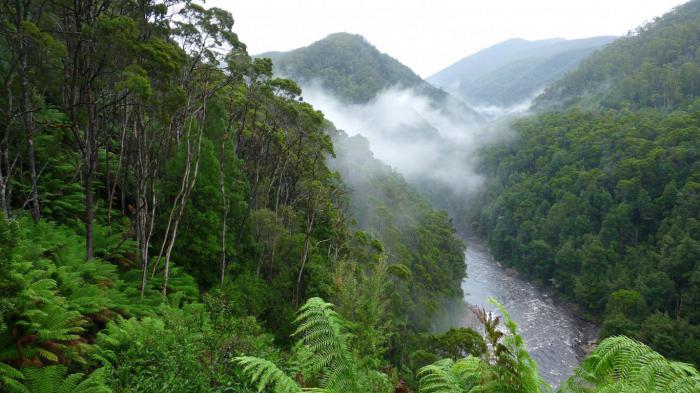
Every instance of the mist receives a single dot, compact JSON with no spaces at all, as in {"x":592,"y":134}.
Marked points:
{"x":429,"y":146}
{"x":494,"y":112}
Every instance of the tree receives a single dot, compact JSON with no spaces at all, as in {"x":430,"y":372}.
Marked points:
{"x":457,"y":343}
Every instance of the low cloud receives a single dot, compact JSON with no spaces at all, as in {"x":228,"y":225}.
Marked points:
{"x":429,"y":145}
{"x":494,"y":112}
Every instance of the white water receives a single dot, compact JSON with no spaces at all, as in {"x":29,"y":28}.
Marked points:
{"x":550,"y":331}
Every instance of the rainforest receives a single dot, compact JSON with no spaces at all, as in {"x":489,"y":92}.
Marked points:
{"x":178,"y":214}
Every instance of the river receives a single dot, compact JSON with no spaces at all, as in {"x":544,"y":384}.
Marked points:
{"x":552,"y":333}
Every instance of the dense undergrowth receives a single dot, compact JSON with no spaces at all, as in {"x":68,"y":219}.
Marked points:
{"x":167,"y":208}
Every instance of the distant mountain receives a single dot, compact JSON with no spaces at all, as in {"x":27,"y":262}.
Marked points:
{"x":354,"y":71}
{"x":656,"y":66}
{"x":515,"y":70}
{"x":348,"y":66}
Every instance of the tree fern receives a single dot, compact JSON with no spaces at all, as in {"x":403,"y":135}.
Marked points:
{"x":266,"y":374}
{"x":54,"y":379}
{"x":45,"y":326}
{"x":120,"y":333}
{"x":621,"y":364}
{"x":322,"y":333}
{"x":10,"y":378}
{"x":440,"y":377}
{"x":323,"y":352}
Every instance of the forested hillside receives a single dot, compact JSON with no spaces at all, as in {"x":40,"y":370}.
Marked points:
{"x":349,"y":67}
{"x":352,"y":70}
{"x":412,"y":233}
{"x":603,"y":207}
{"x":514,"y":71}
{"x":170,"y":208}
{"x":654,"y":66}
{"x":600,"y":202}
{"x":172,"y":216}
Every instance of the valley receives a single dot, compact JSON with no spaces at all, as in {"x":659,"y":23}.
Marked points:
{"x":179,"y":214}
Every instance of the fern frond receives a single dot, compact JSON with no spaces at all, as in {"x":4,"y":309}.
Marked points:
{"x":54,"y":379}
{"x":322,"y":333}
{"x":439,"y":378}
{"x":10,"y":378}
{"x":94,"y":383}
{"x":266,"y":374}
{"x":524,"y":367}
{"x":621,"y":364}
{"x":44,"y":380}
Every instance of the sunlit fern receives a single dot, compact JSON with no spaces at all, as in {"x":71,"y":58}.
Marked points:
{"x":448,"y":376}
{"x":265,"y":374}
{"x":623,"y":365}
{"x":324,"y":352}
{"x":55,"y":379}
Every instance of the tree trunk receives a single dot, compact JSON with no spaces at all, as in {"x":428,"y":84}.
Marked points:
{"x":225,"y":205}
{"x":29,"y":132}
{"x":4,"y":147}
{"x":90,"y":169}
{"x":305,"y":254}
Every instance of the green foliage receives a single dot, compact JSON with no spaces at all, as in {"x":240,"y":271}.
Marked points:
{"x":264,"y":374}
{"x":654,"y":66}
{"x":425,"y":257}
{"x":324,"y":357}
{"x":348,"y":66}
{"x":363,"y":296}
{"x":621,"y":364}
{"x":55,"y":379}
{"x":144,"y":356}
{"x":178,"y":193}
{"x":457,"y":343}
{"x":506,"y":367}
{"x":448,"y":376}
{"x":602,"y":207}
{"x":188,"y":350}
{"x":175,"y":174}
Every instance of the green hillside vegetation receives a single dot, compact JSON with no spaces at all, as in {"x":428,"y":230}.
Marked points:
{"x":348,"y":66}
{"x":353,"y":71}
{"x":604,"y":208}
{"x":328,"y":363}
{"x":170,"y":208}
{"x":513,"y":71}
{"x":414,"y":236}
{"x":598,"y":200}
{"x":654,"y":66}
{"x":171,"y":219}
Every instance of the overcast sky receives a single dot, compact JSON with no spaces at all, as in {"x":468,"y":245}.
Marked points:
{"x":429,"y":35}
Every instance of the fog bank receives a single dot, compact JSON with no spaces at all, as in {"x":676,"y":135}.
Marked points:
{"x":430,"y":146}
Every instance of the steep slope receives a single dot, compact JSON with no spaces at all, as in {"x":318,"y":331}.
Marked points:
{"x":421,"y":131}
{"x":415,"y":237}
{"x":514,"y":70}
{"x":348,"y":66}
{"x":354,"y":71}
{"x":599,"y":199}
{"x":656,"y":66}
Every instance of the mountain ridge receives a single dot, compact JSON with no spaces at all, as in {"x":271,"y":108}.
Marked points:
{"x":514,"y":70}
{"x":355,"y":71}
{"x":654,"y":66}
